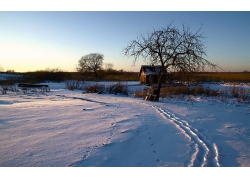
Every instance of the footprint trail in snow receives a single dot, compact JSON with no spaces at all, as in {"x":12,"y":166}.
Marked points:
{"x":206,"y":153}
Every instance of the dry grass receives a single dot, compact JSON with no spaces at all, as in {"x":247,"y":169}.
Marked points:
{"x":180,"y":91}
{"x":213,"y":76}
{"x":140,"y":94}
{"x":185,"y":90}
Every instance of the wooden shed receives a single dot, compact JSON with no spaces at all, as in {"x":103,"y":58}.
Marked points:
{"x":149,"y":74}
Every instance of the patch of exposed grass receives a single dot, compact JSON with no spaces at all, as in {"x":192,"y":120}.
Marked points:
{"x":140,"y":94}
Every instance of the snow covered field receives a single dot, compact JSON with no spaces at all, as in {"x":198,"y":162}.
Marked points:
{"x":67,"y":128}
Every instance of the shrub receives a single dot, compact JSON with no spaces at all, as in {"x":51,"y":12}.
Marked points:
{"x":94,"y":88}
{"x":4,"y":89}
{"x":239,"y":93}
{"x":72,"y":85}
{"x":118,"y":88}
{"x":13,"y":88}
{"x":198,"y":90}
{"x":235,"y":91}
{"x":110,"y":88}
{"x":10,"y":87}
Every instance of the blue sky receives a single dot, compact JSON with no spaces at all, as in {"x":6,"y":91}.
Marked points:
{"x":37,"y":40}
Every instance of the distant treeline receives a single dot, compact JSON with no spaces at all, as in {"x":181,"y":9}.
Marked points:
{"x":87,"y":76}
{"x":59,"y":76}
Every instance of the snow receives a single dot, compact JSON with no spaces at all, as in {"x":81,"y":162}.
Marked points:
{"x":64,"y":128}
{"x":148,"y":71}
{"x":227,"y":86}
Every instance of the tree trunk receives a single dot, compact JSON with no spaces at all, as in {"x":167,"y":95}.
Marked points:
{"x":154,"y":92}
{"x":96,"y":75}
{"x":158,"y":90}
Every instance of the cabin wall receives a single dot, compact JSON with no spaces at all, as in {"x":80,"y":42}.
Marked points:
{"x":143,"y":79}
{"x":147,"y":79}
{"x":149,"y":76}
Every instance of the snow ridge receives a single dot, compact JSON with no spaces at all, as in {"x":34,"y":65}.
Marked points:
{"x":206,"y":153}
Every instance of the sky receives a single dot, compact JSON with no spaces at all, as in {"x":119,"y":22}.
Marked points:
{"x":38,"y":38}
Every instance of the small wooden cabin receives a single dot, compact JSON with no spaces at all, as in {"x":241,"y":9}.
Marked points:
{"x":149,"y":74}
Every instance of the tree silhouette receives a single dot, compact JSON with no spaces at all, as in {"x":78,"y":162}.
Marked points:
{"x":90,"y":62}
{"x":170,"y":47}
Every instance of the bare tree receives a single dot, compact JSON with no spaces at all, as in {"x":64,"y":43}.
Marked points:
{"x":109,"y":66}
{"x":90,"y":62}
{"x":172,"y":48}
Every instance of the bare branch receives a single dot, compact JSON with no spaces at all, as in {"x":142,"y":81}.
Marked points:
{"x":90,"y":62}
{"x":181,"y":50}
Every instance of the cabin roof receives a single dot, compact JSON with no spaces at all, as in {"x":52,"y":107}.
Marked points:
{"x":151,"y":70}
